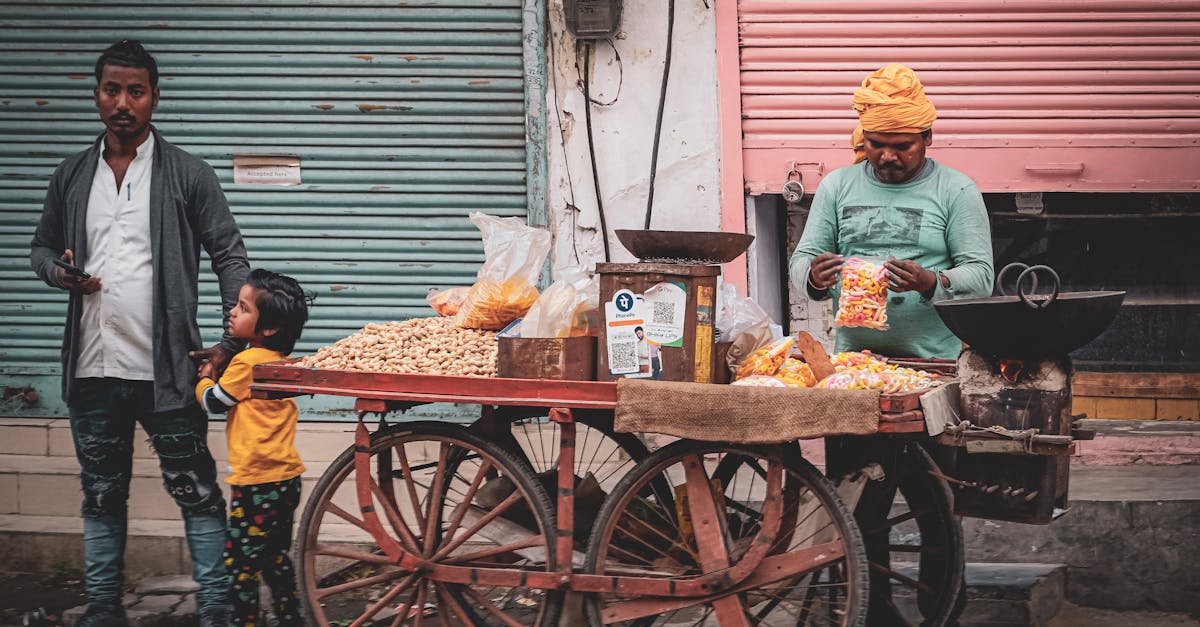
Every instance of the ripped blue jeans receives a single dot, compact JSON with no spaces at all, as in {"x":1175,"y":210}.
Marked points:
{"x":103,"y":413}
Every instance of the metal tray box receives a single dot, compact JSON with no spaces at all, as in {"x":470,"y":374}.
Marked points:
{"x":563,"y":358}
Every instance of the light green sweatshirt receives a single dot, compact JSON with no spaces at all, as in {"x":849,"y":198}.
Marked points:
{"x":938,"y":220}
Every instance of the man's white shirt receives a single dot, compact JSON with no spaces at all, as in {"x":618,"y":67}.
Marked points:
{"x":117,"y":324}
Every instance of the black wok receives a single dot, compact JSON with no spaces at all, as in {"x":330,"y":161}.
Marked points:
{"x":1024,"y":326}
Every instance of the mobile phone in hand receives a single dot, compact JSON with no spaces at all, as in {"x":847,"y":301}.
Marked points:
{"x":71,"y":269}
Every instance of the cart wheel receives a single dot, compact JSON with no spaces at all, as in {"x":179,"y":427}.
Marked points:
{"x":602,"y":458}
{"x":640,"y":535}
{"x":599,"y":451}
{"x":913,"y":539}
{"x":489,"y":513}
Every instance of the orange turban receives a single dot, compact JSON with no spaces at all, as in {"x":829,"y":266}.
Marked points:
{"x":891,"y":100}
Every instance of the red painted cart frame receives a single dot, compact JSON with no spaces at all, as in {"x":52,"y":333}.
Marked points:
{"x":722,"y":578}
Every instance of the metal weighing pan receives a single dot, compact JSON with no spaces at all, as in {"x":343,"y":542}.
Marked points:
{"x":708,"y":247}
{"x":1030,"y":325}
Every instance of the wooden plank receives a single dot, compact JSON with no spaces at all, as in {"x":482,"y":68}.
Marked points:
{"x":903,"y":416}
{"x":419,"y":397}
{"x":280,"y":377}
{"x":912,"y":426}
{"x":900,"y":402}
{"x":1137,"y":384}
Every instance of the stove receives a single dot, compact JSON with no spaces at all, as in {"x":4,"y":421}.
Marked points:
{"x":1015,"y":404}
{"x":1015,"y":383}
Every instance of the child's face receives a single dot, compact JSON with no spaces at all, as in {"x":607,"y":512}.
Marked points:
{"x":244,"y":317}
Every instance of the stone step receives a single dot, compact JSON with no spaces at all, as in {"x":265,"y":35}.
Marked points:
{"x":999,"y":595}
{"x":51,"y":437}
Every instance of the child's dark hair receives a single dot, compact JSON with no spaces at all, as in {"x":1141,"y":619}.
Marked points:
{"x":128,"y":53}
{"x":282,"y":306}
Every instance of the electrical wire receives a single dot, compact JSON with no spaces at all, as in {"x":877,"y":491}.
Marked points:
{"x":662,"y":102}
{"x":620,"y":75}
{"x":562,"y":141}
{"x":587,"y":115}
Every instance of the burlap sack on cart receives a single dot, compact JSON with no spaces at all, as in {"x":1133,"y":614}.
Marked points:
{"x":751,"y":415}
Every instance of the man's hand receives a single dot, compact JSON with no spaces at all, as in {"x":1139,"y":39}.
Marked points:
{"x":824,"y":270}
{"x":907,"y":276}
{"x":211,"y":360}
{"x":75,"y":283}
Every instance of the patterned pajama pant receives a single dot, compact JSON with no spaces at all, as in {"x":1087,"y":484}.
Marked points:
{"x":260,"y":536}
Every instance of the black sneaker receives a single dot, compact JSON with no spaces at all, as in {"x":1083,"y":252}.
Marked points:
{"x":215,"y":617}
{"x":103,"y":616}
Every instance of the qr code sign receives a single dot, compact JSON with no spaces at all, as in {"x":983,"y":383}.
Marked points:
{"x":664,"y":313}
{"x":622,"y":357}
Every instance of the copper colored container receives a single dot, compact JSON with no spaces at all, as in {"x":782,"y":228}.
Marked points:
{"x":564,"y":358}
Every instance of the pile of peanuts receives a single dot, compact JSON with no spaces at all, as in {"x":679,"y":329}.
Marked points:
{"x":416,"y":346}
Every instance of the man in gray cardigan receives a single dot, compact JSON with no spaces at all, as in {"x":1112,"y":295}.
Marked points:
{"x":133,"y":211}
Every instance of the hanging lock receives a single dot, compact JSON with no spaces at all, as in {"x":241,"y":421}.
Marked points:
{"x":793,"y":190}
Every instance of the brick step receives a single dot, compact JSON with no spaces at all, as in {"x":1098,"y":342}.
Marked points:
{"x":999,"y":595}
{"x":317,"y":441}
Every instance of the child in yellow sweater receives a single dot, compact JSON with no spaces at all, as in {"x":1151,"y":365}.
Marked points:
{"x":264,"y":465}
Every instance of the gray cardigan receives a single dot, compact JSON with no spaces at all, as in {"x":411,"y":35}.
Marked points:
{"x":187,"y":210}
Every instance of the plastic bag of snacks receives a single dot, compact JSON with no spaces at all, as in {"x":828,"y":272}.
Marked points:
{"x":447,"y":302}
{"x":561,"y":311}
{"x":863,"y":300}
{"x":766,"y":360}
{"x":890,"y":381}
{"x":761,"y":381}
{"x":795,"y":373}
{"x":505,"y":288}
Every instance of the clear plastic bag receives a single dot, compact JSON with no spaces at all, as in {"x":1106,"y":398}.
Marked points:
{"x":863,"y":298}
{"x":447,"y":302}
{"x":767,"y":360}
{"x":562,"y":310}
{"x":749,"y":330}
{"x":505,"y":288}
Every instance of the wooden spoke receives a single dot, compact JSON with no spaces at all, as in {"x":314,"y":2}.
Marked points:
{"x":402,"y":614}
{"x":531,"y":541}
{"x":479,"y":524}
{"x":491,"y":608}
{"x":892,"y":522}
{"x":412,"y":488}
{"x":384,"y":600}
{"x":335,"y":551}
{"x":460,"y":510}
{"x":395,"y":519}
{"x":435,"y":498}
{"x":344,"y":515}
{"x":904,"y":579}
{"x":360,"y":583}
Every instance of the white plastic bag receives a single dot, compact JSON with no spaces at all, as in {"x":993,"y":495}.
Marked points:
{"x":561,"y":310}
{"x":506,"y":284}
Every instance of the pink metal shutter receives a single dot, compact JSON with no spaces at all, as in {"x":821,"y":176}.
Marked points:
{"x":1032,"y":95}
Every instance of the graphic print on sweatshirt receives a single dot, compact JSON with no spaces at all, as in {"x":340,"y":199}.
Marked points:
{"x":882,"y":231}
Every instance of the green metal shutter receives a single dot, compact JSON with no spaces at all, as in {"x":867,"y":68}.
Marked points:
{"x":405,"y":116}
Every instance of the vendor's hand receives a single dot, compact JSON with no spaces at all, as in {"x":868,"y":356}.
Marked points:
{"x":215,"y":358}
{"x":824,"y":270}
{"x":908,"y":276}
{"x":75,"y":283}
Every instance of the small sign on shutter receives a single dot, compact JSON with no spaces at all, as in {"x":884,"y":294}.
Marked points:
{"x":266,"y":169}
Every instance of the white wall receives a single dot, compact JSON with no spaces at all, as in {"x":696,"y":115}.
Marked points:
{"x":687,"y":193}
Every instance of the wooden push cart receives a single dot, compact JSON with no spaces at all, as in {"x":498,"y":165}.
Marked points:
{"x":540,"y":505}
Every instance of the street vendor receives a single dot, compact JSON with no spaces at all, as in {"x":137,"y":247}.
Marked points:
{"x":929,"y":223}
{"x":926,"y":219}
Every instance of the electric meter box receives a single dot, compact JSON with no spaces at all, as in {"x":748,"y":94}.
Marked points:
{"x":592,"y":19}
